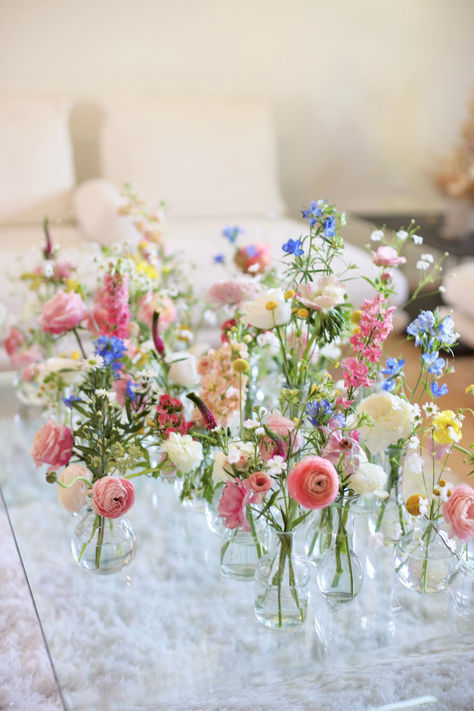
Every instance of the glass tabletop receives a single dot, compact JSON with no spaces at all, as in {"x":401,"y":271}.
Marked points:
{"x":169,"y":632}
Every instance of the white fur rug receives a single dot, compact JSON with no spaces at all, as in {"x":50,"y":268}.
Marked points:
{"x":169,"y":633}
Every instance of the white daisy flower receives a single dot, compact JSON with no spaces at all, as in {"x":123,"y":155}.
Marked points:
{"x":430,"y":409}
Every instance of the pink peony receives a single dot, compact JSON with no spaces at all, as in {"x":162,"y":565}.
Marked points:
{"x":13,"y":341}
{"x":62,"y":313}
{"x":323,"y":293}
{"x":232,"y":291}
{"x":260,"y":482}
{"x":26,"y":357}
{"x":313,"y":483}
{"x":52,"y":445}
{"x":112,"y":496}
{"x":458,"y":512}
{"x":235,"y":496}
{"x":387,"y":257}
{"x":254,"y":258}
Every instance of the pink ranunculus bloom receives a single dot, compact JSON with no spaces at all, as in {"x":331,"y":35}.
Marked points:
{"x":313,"y":483}
{"x":387,"y":257}
{"x":253,"y":258}
{"x":52,"y":445}
{"x":340,"y":445}
{"x":260,"y":482}
{"x":62,"y":270}
{"x":112,"y":496}
{"x":24,"y":357}
{"x":62,"y":313}
{"x":324,"y":293}
{"x":236,"y":494}
{"x":13,"y":341}
{"x":283,"y":427}
{"x":458,"y":512}
{"x":154,"y":302}
{"x":232,"y":292}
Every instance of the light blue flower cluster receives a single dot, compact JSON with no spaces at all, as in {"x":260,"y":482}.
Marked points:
{"x":392,"y":368}
{"x":314,"y":211}
{"x":111,"y":349}
{"x":293,"y":246}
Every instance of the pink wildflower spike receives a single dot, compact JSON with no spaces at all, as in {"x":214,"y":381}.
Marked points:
{"x":48,"y":249}
{"x":206,"y":414}
{"x":159,"y":345}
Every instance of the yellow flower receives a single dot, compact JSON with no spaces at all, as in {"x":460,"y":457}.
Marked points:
{"x":289,"y":293}
{"x":469,"y":389}
{"x":147,"y":269}
{"x":75,"y":355}
{"x":240,"y":365}
{"x":413,"y":504}
{"x":302,"y":313}
{"x":271,"y":305}
{"x":72,"y":284}
{"x":356,"y":316}
{"x":446,"y":427}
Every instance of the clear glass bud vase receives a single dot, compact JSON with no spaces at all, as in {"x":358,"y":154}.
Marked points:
{"x":426,"y":559}
{"x":389,"y":516}
{"x":241,"y":552}
{"x":281,"y":585}
{"x":339,"y":572}
{"x":103,"y":545}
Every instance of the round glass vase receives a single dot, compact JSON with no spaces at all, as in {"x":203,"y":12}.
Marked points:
{"x":281,"y":585}
{"x":426,"y":559}
{"x":242,"y":550}
{"x":103,"y":545}
{"x":339,"y":573}
{"x":389,"y":516}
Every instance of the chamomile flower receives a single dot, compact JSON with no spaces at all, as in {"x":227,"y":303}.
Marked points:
{"x":276,"y":465}
{"x":430,"y":409}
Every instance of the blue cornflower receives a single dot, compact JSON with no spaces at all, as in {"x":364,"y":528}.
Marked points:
{"x":393,"y":366}
{"x":421,"y":326}
{"x":69,"y":400}
{"x":111,"y":349}
{"x":329,"y":227}
{"x":251,"y":251}
{"x":218,"y":259}
{"x":293,"y":246}
{"x":446,"y":333}
{"x":388,"y":384}
{"x":231,"y":232}
{"x":314,"y":211}
{"x":434,"y":364}
{"x":439,"y":390}
{"x":318,"y":412}
{"x":131,"y":387}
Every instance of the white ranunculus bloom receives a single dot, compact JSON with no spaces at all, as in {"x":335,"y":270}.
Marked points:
{"x":393,"y":419}
{"x":369,"y":479}
{"x":185,"y":453}
{"x":75,"y":497}
{"x":69,"y":368}
{"x":268,"y":310}
{"x":183,"y":369}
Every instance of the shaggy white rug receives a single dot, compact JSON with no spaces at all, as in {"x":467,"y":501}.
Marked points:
{"x":168,"y":633}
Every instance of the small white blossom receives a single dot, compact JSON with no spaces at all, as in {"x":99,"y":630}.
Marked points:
{"x":422,"y":265}
{"x":234,"y":454}
{"x":430,"y":409}
{"x":402,"y":235}
{"x":94,"y":361}
{"x":417,"y":239}
{"x":268,"y":339}
{"x":424,"y":506}
{"x":210,"y":317}
{"x":444,"y":492}
{"x":414,"y":442}
{"x":441,"y":289}
{"x":231,"y":391}
{"x":110,"y":396}
{"x":251,"y":424}
{"x":276,"y":465}
{"x":428,"y":258}
{"x":260,"y":431}
{"x":377,"y":235}
{"x":48,"y":269}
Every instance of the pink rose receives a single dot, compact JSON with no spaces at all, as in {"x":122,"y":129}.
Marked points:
{"x":387,"y":257}
{"x":112,"y":496}
{"x":26,"y":357}
{"x":323,"y":293}
{"x":13,"y":341}
{"x":260,"y":482}
{"x":232,"y":291}
{"x":62,"y":313}
{"x":458,"y":512}
{"x":254,"y":258}
{"x":313,"y":483}
{"x":52,"y":445}
{"x":235,"y":497}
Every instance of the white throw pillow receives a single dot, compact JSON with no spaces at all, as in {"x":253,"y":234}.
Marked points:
{"x":36,"y":164}
{"x":203,"y":158}
{"x":459,"y":288}
{"x":96,"y":204}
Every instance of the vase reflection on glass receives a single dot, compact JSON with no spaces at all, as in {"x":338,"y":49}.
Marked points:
{"x":426,"y":559}
{"x":339,"y":572}
{"x":281,"y":585}
{"x":102,"y":545}
{"x":463,"y":587}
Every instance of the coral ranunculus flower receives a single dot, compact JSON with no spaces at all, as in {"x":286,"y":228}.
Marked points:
{"x":62,"y":313}
{"x":112,"y":496}
{"x":459,"y":512}
{"x":52,"y":445}
{"x":313,"y":483}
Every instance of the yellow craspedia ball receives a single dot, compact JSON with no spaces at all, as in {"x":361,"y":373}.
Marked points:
{"x":446,"y":427}
{"x":413,"y":504}
{"x":302,"y":313}
{"x":240,"y":365}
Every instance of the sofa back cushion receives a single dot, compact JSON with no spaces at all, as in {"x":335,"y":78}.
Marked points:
{"x":36,"y":164}
{"x":203,"y":158}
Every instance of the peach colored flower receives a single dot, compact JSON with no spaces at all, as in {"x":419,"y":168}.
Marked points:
{"x":74,"y":497}
{"x":52,"y":445}
{"x":323,"y":293}
{"x":260,"y":482}
{"x":387,"y":257}
{"x":313,"y":483}
{"x":112,"y":496}
{"x":62,"y":313}
{"x":458,"y":512}
{"x":204,"y":365}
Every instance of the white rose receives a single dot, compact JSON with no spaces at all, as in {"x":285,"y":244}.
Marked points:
{"x":268,"y":310}
{"x":183,"y":369}
{"x":369,"y":479}
{"x":75,"y":497}
{"x":185,"y":453}
{"x":393,"y":418}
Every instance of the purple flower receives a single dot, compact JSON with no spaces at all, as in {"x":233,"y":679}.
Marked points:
{"x":318,"y":412}
{"x":218,"y":259}
{"x":439,"y":390}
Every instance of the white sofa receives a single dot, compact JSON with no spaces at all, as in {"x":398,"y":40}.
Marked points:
{"x":214,"y":163}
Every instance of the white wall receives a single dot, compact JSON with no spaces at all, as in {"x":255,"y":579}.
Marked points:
{"x":365,"y":92}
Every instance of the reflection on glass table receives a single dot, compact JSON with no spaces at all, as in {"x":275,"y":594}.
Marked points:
{"x":169,"y":632}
